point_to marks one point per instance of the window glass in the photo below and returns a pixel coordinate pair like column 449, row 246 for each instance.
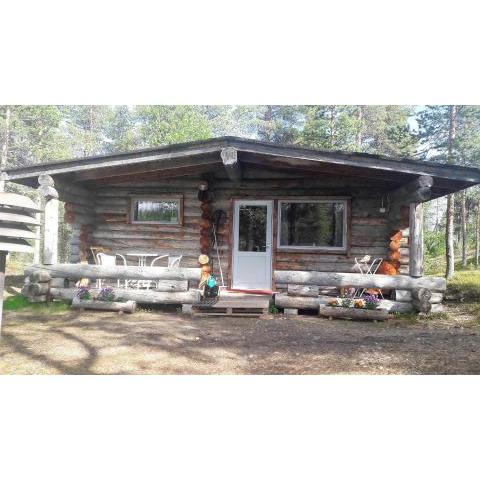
column 312, row 224
column 156, row 211
column 252, row 231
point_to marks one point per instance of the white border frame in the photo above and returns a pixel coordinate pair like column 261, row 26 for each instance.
column 341, row 249
column 270, row 204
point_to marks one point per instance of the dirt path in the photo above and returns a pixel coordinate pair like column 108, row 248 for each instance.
column 161, row 343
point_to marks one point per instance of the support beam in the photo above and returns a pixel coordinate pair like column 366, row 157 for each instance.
column 416, row 240
column 231, row 164
column 50, row 231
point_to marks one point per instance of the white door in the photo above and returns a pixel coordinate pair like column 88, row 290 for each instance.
column 252, row 244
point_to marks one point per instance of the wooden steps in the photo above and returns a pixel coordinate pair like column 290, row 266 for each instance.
column 233, row 304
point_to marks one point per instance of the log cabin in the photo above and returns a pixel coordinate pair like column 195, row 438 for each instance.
column 288, row 220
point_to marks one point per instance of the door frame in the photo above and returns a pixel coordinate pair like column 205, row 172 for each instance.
column 270, row 203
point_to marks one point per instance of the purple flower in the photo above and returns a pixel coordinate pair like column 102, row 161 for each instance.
column 83, row 293
column 106, row 294
column 371, row 302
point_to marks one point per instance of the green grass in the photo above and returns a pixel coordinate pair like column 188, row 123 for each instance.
column 466, row 282
column 19, row 302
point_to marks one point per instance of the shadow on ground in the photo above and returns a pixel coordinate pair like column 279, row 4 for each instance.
column 163, row 343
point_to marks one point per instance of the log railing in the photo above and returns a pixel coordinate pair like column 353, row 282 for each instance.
column 57, row 282
column 422, row 294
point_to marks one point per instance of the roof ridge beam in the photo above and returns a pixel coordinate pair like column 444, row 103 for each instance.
column 232, row 166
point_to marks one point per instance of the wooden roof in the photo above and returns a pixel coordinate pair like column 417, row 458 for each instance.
column 204, row 156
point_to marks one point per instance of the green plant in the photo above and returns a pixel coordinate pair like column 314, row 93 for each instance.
column 83, row 293
column 106, row 294
column 273, row 309
column 347, row 302
column 19, row 302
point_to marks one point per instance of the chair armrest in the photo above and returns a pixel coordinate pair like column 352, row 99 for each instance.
column 122, row 257
column 158, row 258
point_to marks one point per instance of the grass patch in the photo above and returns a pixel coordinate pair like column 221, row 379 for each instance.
column 466, row 282
column 19, row 302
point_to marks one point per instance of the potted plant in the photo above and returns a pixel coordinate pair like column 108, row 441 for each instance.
column 104, row 300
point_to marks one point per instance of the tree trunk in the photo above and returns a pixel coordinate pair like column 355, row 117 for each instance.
column 360, row 128
column 450, row 256
column 5, row 145
column 464, row 228
column 477, row 237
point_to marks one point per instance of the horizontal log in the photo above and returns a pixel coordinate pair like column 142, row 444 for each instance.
column 79, row 219
column 287, row 301
column 303, row 290
column 406, row 296
column 127, row 307
column 171, row 286
column 140, row 296
column 358, row 280
column 78, row 209
column 76, row 271
column 388, row 305
column 59, row 283
column 353, row 313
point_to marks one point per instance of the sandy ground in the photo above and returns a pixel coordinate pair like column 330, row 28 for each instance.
column 168, row 343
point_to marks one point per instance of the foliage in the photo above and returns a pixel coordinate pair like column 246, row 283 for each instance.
column 371, row 302
column 83, row 293
column 273, row 309
column 106, row 294
column 466, row 282
column 166, row 124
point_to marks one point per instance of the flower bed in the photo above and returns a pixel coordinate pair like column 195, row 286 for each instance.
column 103, row 300
column 367, row 302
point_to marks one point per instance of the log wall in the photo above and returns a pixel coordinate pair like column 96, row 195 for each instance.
column 108, row 225
column 112, row 230
column 368, row 232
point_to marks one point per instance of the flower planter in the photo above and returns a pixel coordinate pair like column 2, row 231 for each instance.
column 353, row 313
column 127, row 307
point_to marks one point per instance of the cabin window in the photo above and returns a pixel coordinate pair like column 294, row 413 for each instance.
column 157, row 210
column 312, row 224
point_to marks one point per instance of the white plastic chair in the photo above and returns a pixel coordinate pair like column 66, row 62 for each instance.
column 110, row 261
column 365, row 267
column 172, row 262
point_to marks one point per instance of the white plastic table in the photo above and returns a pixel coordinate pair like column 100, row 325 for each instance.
column 142, row 257
column 142, row 262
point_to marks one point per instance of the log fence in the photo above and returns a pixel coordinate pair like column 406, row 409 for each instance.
column 409, row 294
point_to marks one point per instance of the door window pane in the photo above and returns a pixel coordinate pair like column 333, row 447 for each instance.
column 312, row 224
column 252, row 234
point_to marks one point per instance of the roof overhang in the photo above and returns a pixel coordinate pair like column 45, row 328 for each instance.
column 204, row 156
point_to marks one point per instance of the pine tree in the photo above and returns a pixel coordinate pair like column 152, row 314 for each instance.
column 167, row 124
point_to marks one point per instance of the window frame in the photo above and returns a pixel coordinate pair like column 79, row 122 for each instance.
column 163, row 198
column 294, row 248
